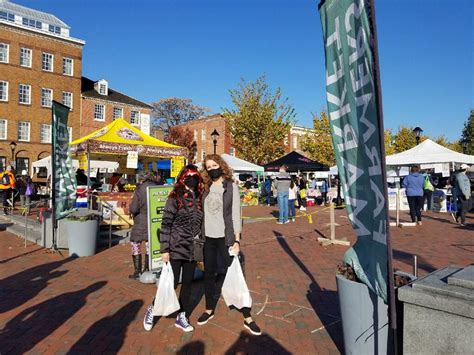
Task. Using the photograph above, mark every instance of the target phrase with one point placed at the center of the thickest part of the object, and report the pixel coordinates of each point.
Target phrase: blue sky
(152, 49)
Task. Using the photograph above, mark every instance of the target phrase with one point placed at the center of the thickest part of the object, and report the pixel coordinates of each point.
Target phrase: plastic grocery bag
(234, 289)
(166, 301)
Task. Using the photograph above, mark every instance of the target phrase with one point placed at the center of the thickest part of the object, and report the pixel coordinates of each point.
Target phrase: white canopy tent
(429, 152)
(239, 165)
(95, 164)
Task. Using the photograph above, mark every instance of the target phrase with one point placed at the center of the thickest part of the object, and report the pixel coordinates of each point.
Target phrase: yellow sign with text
(177, 164)
(83, 161)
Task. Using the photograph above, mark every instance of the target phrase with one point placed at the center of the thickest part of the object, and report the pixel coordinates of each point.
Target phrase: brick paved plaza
(50, 304)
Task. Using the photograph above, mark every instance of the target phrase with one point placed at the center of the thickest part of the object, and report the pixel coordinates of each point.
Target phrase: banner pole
(378, 97)
(54, 222)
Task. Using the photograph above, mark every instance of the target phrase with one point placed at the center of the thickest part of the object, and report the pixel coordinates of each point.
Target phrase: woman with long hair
(180, 227)
(221, 228)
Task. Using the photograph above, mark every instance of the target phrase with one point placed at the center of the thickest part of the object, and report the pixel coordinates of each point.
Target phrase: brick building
(101, 105)
(203, 127)
(39, 62)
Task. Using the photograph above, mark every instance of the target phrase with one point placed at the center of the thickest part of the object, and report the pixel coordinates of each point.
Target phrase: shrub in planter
(82, 233)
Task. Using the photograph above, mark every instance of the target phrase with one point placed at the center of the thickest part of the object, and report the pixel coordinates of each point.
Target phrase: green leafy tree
(467, 137)
(173, 111)
(405, 139)
(259, 121)
(318, 143)
(389, 144)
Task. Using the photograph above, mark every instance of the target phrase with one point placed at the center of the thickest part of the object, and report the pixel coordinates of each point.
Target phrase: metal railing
(25, 210)
(110, 208)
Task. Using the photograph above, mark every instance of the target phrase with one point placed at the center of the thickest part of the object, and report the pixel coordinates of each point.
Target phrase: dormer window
(102, 87)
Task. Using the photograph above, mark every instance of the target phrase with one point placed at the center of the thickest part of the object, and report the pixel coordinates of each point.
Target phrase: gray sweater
(282, 182)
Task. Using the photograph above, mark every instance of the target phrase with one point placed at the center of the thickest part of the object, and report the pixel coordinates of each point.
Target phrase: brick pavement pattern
(55, 305)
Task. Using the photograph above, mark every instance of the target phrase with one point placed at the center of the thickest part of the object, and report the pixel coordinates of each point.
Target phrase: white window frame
(62, 99)
(43, 62)
(48, 140)
(72, 66)
(138, 118)
(294, 141)
(29, 94)
(203, 155)
(103, 86)
(120, 115)
(69, 129)
(42, 97)
(96, 112)
(29, 131)
(203, 134)
(6, 129)
(6, 91)
(22, 50)
(6, 46)
(232, 151)
(195, 135)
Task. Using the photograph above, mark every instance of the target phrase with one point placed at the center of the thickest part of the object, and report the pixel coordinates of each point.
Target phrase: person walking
(282, 186)
(181, 225)
(139, 234)
(414, 183)
(302, 186)
(7, 184)
(221, 228)
(324, 191)
(25, 189)
(462, 187)
(292, 193)
(428, 189)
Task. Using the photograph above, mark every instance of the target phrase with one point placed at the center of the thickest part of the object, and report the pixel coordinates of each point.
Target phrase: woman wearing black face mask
(180, 226)
(222, 227)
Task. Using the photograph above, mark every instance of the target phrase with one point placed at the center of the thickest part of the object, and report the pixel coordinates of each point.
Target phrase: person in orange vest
(7, 184)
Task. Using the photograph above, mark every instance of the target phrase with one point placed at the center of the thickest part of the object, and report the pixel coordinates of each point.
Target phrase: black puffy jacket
(180, 225)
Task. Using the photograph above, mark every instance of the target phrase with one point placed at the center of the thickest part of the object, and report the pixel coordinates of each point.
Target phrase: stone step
(33, 235)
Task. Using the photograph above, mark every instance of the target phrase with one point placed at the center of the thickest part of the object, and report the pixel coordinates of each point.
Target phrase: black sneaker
(253, 328)
(205, 317)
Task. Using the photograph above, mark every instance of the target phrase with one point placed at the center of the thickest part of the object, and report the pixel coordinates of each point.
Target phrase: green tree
(318, 143)
(405, 139)
(467, 137)
(388, 140)
(173, 111)
(259, 121)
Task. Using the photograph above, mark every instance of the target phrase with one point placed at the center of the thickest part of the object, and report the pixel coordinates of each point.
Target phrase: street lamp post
(418, 131)
(13, 148)
(214, 136)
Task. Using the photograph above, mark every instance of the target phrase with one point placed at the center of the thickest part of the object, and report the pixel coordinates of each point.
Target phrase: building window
(48, 60)
(3, 163)
(203, 134)
(4, 52)
(25, 57)
(295, 142)
(7, 16)
(99, 112)
(195, 135)
(118, 113)
(68, 66)
(232, 151)
(3, 129)
(135, 118)
(203, 155)
(67, 99)
(45, 133)
(24, 94)
(23, 164)
(24, 131)
(32, 23)
(46, 97)
(69, 131)
(55, 29)
(103, 89)
(3, 90)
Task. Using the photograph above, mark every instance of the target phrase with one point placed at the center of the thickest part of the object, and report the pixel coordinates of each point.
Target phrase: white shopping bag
(234, 289)
(166, 301)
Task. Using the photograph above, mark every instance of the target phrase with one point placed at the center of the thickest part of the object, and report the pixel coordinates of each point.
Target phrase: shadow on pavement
(19, 288)
(20, 255)
(192, 348)
(407, 258)
(249, 344)
(319, 298)
(36, 323)
(116, 326)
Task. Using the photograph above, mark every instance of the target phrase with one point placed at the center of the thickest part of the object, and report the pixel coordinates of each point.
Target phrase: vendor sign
(83, 161)
(132, 160)
(156, 201)
(177, 164)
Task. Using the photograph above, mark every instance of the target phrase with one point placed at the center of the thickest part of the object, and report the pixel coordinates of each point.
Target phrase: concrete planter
(365, 318)
(82, 237)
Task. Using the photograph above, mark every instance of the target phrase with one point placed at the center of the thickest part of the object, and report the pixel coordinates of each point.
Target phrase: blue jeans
(291, 209)
(282, 198)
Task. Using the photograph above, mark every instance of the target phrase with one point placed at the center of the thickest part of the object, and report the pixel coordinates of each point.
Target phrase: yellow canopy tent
(119, 137)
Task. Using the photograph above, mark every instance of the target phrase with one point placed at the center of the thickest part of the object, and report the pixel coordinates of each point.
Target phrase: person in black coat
(180, 237)
(139, 211)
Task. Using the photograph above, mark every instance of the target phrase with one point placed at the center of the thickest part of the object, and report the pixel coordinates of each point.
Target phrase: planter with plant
(82, 233)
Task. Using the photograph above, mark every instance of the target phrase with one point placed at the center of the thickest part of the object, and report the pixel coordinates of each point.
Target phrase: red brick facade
(13, 112)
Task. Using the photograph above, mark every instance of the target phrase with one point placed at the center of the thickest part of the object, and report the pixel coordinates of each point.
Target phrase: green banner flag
(356, 134)
(64, 178)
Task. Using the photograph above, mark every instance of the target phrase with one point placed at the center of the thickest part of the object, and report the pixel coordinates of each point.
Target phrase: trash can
(82, 235)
